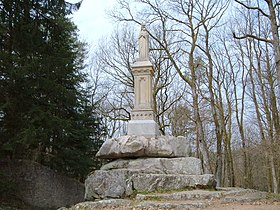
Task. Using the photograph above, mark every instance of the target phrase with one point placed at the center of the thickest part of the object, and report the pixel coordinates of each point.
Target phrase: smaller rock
(140, 146)
(248, 197)
(182, 195)
(108, 184)
(102, 204)
(183, 165)
(120, 183)
(171, 205)
(114, 148)
(160, 182)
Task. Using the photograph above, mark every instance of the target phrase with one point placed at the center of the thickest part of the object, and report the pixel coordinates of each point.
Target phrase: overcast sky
(91, 19)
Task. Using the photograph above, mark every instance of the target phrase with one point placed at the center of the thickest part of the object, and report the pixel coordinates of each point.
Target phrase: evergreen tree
(45, 114)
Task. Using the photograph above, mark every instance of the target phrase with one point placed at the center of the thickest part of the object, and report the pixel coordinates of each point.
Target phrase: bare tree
(261, 43)
(268, 9)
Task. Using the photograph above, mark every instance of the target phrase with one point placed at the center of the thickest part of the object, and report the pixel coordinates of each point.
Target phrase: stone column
(142, 121)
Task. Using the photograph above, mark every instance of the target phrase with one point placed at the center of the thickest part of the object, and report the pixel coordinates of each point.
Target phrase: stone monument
(143, 118)
(145, 161)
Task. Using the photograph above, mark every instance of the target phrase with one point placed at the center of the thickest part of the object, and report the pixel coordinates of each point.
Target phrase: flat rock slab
(250, 197)
(191, 199)
(171, 205)
(112, 203)
(120, 183)
(163, 182)
(140, 146)
(183, 166)
(125, 204)
(181, 196)
(225, 194)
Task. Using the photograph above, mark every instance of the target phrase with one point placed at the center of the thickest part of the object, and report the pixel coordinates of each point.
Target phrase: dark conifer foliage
(45, 114)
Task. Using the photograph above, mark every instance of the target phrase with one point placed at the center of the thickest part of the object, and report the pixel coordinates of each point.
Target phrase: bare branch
(253, 37)
(254, 8)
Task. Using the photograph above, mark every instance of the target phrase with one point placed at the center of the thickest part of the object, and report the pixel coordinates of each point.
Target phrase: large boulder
(140, 146)
(120, 183)
(183, 165)
(108, 184)
(165, 182)
(124, 177)
(155, 164)
(39, 186)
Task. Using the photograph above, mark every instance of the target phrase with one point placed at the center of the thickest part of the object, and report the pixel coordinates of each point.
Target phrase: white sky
(92, 20)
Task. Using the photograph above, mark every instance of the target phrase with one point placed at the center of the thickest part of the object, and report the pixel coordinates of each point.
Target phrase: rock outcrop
(190, 199)
(146, 165)
(124, 183)
(123, 178)
(39, 186)
(182, 166)
(140, 146)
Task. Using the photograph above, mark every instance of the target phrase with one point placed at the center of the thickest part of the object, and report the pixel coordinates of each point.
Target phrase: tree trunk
(273, 174)
(275, 34)
(219, 162)
(199, 125)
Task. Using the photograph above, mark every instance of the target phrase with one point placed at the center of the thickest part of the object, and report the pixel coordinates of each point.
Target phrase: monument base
(146, 165)
(124, 178)
(147, 128)
(140, 146)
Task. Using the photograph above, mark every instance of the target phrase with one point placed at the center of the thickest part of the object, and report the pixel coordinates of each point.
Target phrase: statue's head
(143, 27)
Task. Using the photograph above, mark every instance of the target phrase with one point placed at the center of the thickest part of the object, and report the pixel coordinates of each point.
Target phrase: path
(222, 199)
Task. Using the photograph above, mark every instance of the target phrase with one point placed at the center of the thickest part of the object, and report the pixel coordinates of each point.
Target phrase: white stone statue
(143, 44)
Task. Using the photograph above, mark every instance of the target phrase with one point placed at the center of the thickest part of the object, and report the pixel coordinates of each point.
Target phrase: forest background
(216, 82)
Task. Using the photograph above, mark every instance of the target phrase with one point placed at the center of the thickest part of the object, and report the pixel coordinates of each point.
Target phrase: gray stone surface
(39, 186)
(184, 165)
(161, 182)
(147, 128)
(108, 184)
(171, 205)
(108, 203)
(140, 146)
(190, 199)
(250, 197)
(181, 196)
(226, 195)
(119, 183)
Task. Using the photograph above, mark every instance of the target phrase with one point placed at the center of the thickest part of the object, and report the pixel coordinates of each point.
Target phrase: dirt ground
(218, 206)
(246, 206)
(235, 206)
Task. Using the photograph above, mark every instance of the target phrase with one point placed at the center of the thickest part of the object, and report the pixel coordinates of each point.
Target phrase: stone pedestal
(141, 146)
(142, 121)
(147, 128)
(123, 178)
(150, 164)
